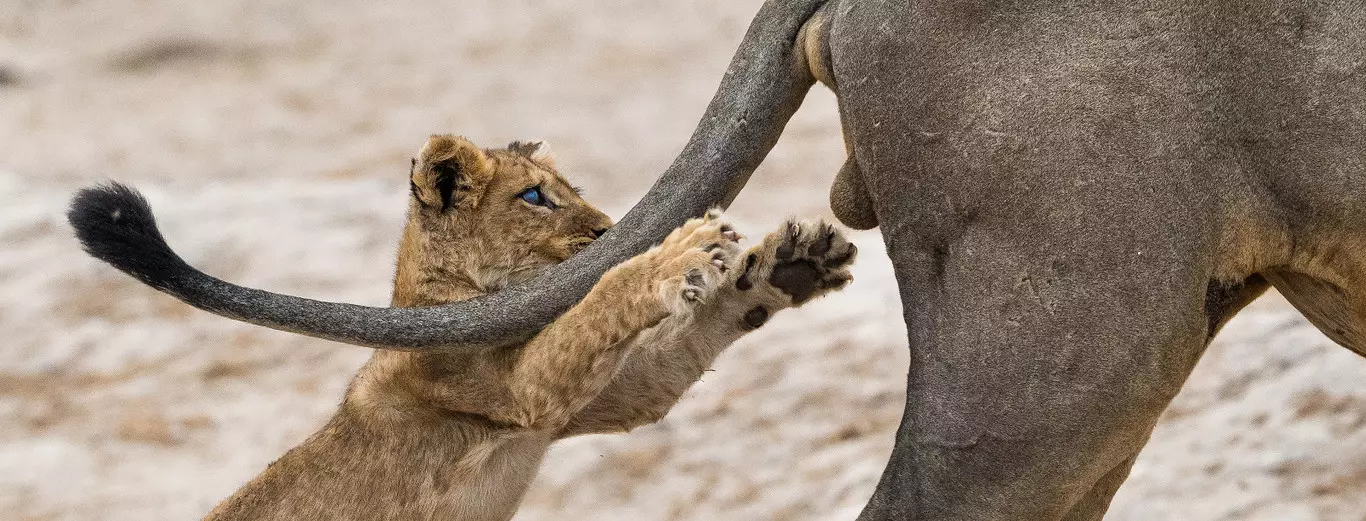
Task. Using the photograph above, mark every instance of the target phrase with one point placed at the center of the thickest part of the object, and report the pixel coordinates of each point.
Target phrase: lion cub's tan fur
(459, 434)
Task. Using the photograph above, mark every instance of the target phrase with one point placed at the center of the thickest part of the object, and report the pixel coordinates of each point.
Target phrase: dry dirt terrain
(273, 138)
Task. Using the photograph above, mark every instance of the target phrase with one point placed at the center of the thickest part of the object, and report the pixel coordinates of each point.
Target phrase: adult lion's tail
(115, 224)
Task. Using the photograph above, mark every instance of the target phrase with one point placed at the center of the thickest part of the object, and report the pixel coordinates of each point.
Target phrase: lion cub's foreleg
(793, 265)
(567, 364)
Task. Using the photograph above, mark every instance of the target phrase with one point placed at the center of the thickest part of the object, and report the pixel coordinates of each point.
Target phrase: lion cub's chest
(491, 477)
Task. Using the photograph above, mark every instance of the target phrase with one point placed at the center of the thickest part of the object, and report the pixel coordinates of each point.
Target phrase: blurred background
(272, 137)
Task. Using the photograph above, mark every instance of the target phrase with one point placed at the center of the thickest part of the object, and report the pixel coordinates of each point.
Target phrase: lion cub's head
(480, 219)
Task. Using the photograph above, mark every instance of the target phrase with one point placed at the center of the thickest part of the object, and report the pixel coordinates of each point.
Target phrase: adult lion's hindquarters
(761, 90)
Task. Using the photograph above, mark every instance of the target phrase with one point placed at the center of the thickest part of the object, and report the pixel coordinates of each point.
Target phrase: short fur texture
(1076, 196)
(458, 434)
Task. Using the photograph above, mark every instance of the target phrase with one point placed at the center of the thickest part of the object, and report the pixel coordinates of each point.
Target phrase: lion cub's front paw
(694, 260)
(804, 260)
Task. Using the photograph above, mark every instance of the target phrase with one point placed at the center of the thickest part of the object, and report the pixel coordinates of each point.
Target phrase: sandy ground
(272, 137)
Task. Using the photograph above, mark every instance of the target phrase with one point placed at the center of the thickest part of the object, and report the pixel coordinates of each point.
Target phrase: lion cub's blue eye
(534, 196)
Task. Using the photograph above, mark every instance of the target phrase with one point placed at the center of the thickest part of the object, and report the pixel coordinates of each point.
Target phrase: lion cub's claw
(694, 260)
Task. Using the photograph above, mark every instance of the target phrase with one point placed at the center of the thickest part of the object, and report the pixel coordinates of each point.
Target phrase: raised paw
(803, 260)
(695, 260)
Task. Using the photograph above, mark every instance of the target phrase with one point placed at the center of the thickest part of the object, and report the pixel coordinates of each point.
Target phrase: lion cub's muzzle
(578, 244)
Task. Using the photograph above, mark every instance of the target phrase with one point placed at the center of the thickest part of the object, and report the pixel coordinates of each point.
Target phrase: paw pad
(811, 258)
(756, 318)
(743, 283)
(799, 278)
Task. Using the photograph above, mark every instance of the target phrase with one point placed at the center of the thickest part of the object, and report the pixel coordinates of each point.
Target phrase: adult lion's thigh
(1038, 367)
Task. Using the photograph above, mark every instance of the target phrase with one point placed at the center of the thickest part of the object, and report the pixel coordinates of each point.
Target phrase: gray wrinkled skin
(1076, 195)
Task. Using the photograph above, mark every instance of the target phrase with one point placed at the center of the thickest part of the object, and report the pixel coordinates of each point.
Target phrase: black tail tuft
(115, 224)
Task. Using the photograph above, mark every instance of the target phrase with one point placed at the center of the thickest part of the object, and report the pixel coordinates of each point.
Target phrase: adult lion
(1076, 195)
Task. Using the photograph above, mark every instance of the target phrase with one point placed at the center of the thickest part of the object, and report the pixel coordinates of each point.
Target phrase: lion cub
(459, 435)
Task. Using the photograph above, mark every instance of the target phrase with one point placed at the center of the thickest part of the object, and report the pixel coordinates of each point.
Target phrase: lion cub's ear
(449, 172)
(538, 151)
